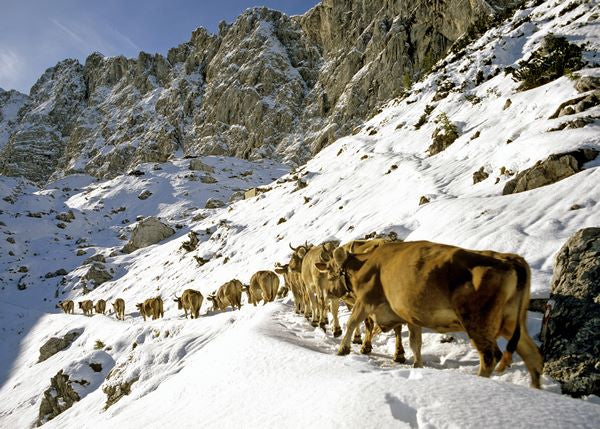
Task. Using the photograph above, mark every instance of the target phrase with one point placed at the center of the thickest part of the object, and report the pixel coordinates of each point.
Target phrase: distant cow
(119, 308)
(100, 306)
(190, 300)
(87, 306)
(263, 284)
(152, 307)
(229, 294)
(444, 288)
(67, 306)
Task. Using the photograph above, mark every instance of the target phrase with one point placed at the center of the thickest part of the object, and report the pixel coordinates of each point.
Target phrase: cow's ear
(321, 266)
(340, 255)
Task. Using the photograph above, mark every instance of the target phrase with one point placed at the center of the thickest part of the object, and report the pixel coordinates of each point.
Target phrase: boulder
(97, 273)
(57, 344)
(59, 272)
(98, 257)
(191, 242)
(213, 203)
(587, 83)
(144, 194)
(571, 330)
(147, 232)
(197, 165)
(65, 216)
(551, 170)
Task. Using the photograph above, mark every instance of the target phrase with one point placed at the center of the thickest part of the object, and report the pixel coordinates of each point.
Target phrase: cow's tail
(523, 286)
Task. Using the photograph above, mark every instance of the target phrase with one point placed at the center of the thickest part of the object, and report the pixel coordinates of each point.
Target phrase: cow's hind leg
(359, 313)
(399, 354)
(532, 357)
(367, 345)
(415, 339)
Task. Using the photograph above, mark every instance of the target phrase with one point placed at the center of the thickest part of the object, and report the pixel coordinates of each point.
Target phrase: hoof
(357, 340)
(418, 365)
(337, 332)
(399, 359)
(343, 351)
(366, 349)
(314, 323)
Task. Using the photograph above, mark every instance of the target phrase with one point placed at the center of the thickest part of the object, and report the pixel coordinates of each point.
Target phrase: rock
(144, 194)
(37, 215)
(136, 173)
(23, 269)
(57, 344)
(191, 243)
(61, 225)
(587, 83)
(507, 104)
(65, 216)
(551, 170)
(214, 203)
(114, 392)
(236, 196)
(59, 272)
(97, 273)
(208, 179)
(10, 240)
(147, 232)
(98, 257)
(423, 200)
(571, 334)
(197, 165)
(59, 397)
(250, 193)
(577, 105)
(81, 252)
(480, 175)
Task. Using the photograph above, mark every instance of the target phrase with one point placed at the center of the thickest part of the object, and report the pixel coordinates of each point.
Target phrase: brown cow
(263, 285)
(87, 306)
(119, 308)
(191, 300)
(315, 281)
(152, 307)
(292, 275)
(67, 306)
(444, 288)
(100, 306)
(229, 294)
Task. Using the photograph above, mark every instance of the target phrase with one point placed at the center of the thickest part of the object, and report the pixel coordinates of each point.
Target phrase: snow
(266, 366)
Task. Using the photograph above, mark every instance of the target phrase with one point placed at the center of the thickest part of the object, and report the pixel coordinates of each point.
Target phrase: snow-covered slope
(266, 366)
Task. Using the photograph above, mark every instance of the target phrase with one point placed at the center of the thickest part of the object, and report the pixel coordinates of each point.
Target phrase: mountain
(266, 86)
(497, 148)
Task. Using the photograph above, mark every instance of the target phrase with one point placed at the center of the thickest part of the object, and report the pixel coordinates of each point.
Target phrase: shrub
(555, 58)
(99, 345)
(443, 136)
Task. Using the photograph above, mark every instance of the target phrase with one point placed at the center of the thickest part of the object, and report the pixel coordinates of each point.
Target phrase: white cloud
(11, 67)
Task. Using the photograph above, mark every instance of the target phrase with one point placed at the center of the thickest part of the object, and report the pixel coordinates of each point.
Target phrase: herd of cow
(386, 284)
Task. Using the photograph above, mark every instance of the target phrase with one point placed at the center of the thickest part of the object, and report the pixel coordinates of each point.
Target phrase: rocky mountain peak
(265, 86)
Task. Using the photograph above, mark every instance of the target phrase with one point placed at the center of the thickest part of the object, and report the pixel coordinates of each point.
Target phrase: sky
(36, 34)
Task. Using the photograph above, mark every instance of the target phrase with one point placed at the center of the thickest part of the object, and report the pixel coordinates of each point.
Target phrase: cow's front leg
(399, 354)
(415, 340)
(322, 302)
(335, 306)
(359, 313)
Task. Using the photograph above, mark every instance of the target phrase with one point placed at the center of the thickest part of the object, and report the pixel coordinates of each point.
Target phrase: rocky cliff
(265, 86)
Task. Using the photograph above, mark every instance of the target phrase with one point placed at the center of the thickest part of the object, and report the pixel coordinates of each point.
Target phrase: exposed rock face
(59, 397)
(267, 85)
(572, 334)
(97, 274)
(10, 104)
(114, 392)
(147, 232)
(551, 170)
(57, 344)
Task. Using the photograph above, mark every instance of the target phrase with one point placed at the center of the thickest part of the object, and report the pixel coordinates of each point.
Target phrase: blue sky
(36, 34)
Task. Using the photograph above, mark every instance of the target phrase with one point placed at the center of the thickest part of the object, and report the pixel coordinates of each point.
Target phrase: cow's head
(281, 269)
(332, 262)
(140, 307)
(179, 302)
(216, 302)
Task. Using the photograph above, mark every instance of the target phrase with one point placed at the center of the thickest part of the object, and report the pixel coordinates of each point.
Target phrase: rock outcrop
(266, 86)
(551, 170)
(59, 397)
(147, 232)
(572, 333)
